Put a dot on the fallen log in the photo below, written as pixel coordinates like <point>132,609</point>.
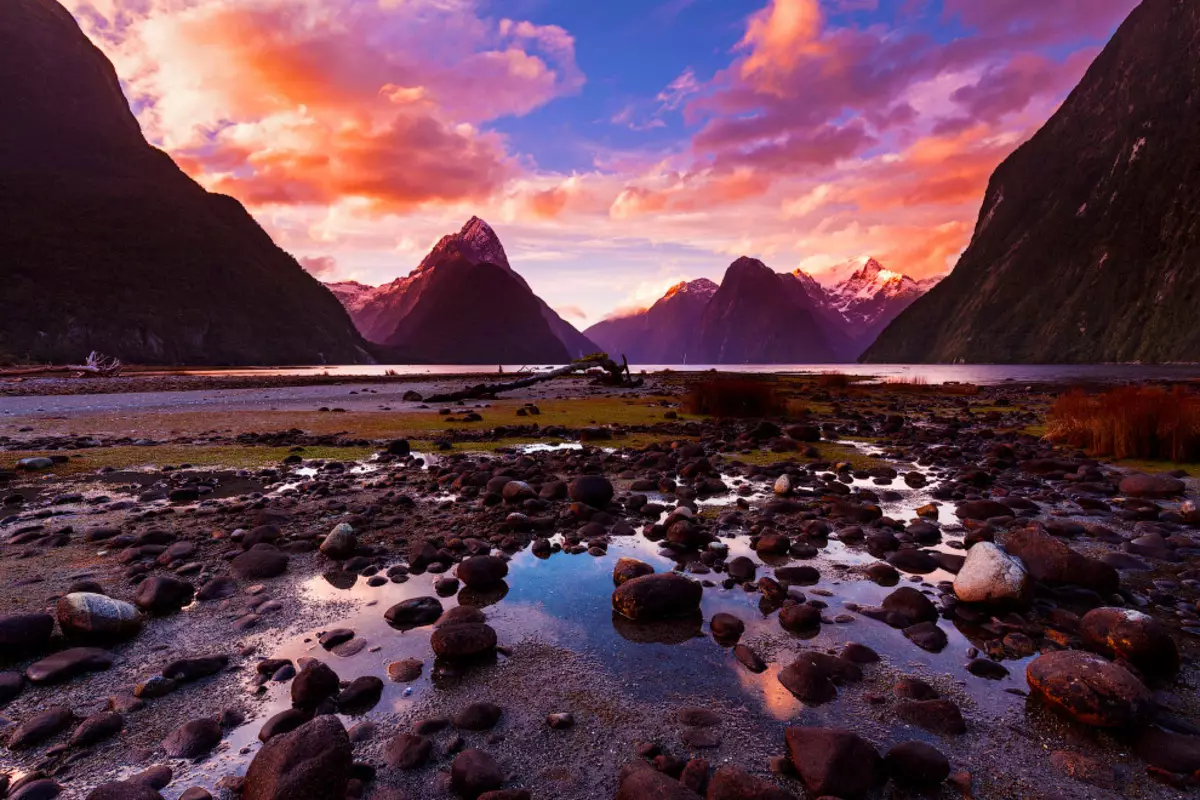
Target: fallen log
<point>96,364</point>
<point>618,375</point>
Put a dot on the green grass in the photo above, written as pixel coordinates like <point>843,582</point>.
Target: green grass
<point>208,457</point>
<point>1154,467</point>
<point>833,453</point>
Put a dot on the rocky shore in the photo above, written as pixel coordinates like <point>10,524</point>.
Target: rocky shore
<point>887,592</point>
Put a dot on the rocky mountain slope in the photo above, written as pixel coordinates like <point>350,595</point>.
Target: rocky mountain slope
<point>1087,242</point>
<point>464,304</point>
<point>107,245</point>
<point>848,314</point>
<point>665,333</point>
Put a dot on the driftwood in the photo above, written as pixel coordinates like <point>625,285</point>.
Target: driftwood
<point>97,364</point>
<point>617,375</point>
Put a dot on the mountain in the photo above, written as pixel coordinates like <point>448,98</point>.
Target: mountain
<point>665,333</point>
<point>857,304</point>
<point>871,297</point>
<point>108,245</point>
<point>759,316</point>
<point>1087,243</point>
<point>463,304</point>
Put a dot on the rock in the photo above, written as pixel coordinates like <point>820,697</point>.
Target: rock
<point>86,616</point>
<point>11,685</point>
<point>415,613</point>
<point>407,751</point>
<point>1051,562</point>
<point>911,604</point>
<point>466,641</point>
<point>124,790</point>
<point>66,664</point>
<point>35,463</point>
<point>475,772</point>
<point>482,572</point>
<point>749,659</point>
<point>833,762</point>
<point>185,670</point>
<point>40,727</point>
<point>401,447</point>
<point>591,490</point>
<point>284,722</point>
<point>260,562</point>
<point>405,671</point>
<point>986,668</point>
<point>914,561</point>
<point>1133,636</point>
<point>314,683</point>
<point>161,594</point>
<point>37,789</point>
<point>731,783</point>
<point>561,721</point>
<point>1088,688</point>
<point>783,485</point>
<point>935,716</point>
<point>1153,486</point>
<point>726,628</point>
<point>312,762</point>
<point>656,597</point>
<point>340,543</point>
<point>360,695</point>
<point>982,510</point>
<point>97,728</point>
<point>927,636</point>
<point>798,576</point>
<point>217,589</point>
<point>1174,752</point>
<point>25,631</point>
<point>193,739</point>
<point>741,569</point>
<point>626,569</point>
<point>813,677</point>
<point>916,764</point>
<point>990,575</point>
<point>1087,770</point>
<point>478,717</point>
<point>800,618</point>
<point>642,782</point>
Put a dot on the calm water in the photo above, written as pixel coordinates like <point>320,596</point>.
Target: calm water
<point>984,374</point>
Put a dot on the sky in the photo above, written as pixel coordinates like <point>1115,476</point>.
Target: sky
<point>616,147</point>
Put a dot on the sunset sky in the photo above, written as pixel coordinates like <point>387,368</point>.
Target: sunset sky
<point>618,146</point>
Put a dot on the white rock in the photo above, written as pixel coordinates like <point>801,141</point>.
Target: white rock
<point>783,485</point>
<point>990,575</point>
<point>85,615</point>
<point>341,542</point>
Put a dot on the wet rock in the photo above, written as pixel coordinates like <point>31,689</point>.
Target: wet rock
<point>97,728</point>
<point>340,543</point>
<point>883,574</point>
<point>1088,688</point>
<point>982,510</point>
<point>914,561</point>
<point>185,670</point>
<point>591,490</point>
<point>800,618</point>
<point>466,641</point>
<point>11,685</point>
<point>86,616</point>
<point>475,772</point>
<point>911,604</point>
<point>935,716</point>
<point>284,722</point>
<point>1174,752</point>
<point>314,683</point>
<point>561,721</point>
<point>193,739</point>
<point>726,628</point>
<point>798,576</point>
<point>640,781</point>
<point>66,664</point>
<point>478,717</point>
<point>1051,562</point>
<point>25,631</point>
<point>124,790</point>
<point>741,569</point>
<point>160,594</point>
<point>1133,636</point>
<point>1088,770</point>
<point>415,613</point>
<point>813,677</point>
<point>916,764</point>
<point>407,751</point>
<point>749,659</point>
<point>217,589</point>
<point>990,575</point>
<point>833,762</point>
<point>986,668</point>
<point>312,762</point>
<point>927,636</point>
<point>360,695</point>
<point>1153,486</point>
<point>40,727</point>
<point>626,569</point>
<point>259,563</point>
<point>731,783</point>
<point>655,597</point>
<point>482,572</point>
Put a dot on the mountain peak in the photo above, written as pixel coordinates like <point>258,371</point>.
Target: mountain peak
<point>484,241</point>
<point>699,287</point>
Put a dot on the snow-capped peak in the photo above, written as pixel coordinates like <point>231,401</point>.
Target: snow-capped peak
<point>701,288</point>
<point>484,241</point>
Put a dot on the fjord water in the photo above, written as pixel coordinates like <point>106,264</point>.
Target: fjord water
<point>980,374</point>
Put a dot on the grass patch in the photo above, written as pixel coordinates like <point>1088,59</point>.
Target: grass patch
<point>206,457</point>
<point>1130,422</point>
<point>829,451</point>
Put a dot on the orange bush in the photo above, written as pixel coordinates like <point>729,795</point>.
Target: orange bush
<point>1147,422</point>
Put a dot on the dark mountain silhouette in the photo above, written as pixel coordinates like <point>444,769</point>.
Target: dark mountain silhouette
<point>108,245</point>
<point>464,304</point>
<point>1087,244</point>
<point>665,333</point>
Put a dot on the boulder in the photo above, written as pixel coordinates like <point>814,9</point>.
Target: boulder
<point>1049,561</point>
<point>656,597</point>
<point>990,575</point>
<point>482,572</point>
<point>316,682</point>
<point>591,490</point>
<point>626,569</point>
<point>87,616</point>
<point>313,762</point>
<point>1151,486</point>
<point>465,641</point>
<point>340,543</point>
<point>415,613</point>
<point>911,604</point>
<point>833,762</point>
<point>1133,636</point>
<point>1088,688</point>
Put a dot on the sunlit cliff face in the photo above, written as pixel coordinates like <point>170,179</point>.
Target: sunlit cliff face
<point>617,151</point>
